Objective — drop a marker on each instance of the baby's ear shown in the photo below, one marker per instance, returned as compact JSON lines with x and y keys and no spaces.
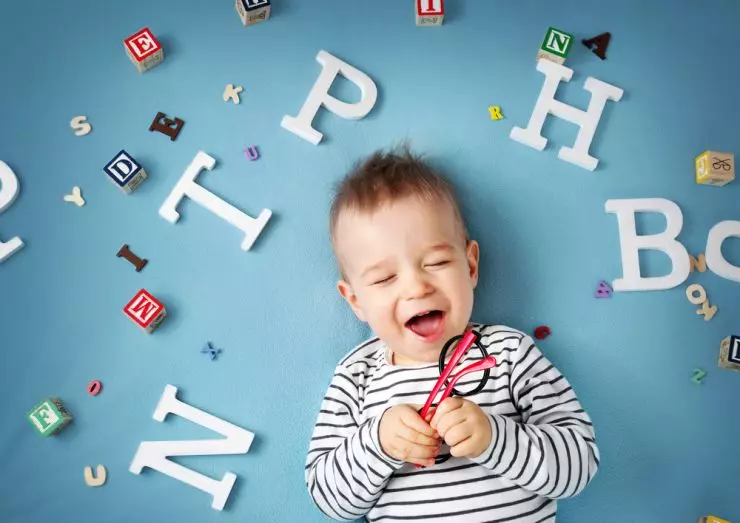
{"x":349,"y":295}
{"x":473,"y":255}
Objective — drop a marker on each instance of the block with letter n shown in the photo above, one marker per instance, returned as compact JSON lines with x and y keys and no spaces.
{"x":556,"y":46}
{"x":125,"y":172}
{"x":253,"y":11}
{"x":430,"y":12}
{"x":146,"y":311}
{"x":49,"y":417}
{"x":729,"y":353}
{"x":144,"y":50}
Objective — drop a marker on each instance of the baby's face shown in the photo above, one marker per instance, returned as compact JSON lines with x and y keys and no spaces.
{"x":409,"y":275}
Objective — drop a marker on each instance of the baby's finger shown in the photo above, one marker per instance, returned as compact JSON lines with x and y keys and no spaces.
{"x":464,"y":448}
{"x":414,"y":453}
{"x":458,"y":434}
{"x":412,"y":436}
{"x":413,"y":421}
{"x":450,"y":420}
{"x":443,"y":408}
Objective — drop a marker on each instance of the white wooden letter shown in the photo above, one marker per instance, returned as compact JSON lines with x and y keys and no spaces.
{"x":9,"y":189}
{"x":319,"y":95}
{"x":715,"y":261}
{"x":587,"y":120}
{"x":154,"y":454}
{"x":186,"y":186}
{"x":631,"y":243}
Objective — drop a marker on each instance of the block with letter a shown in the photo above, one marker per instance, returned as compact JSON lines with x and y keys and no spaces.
{"x":154,"y":454}
{"x":430,"y":12}
{"x":253,"y":11}
{"x":144,"y":50}
{"x":123,"y":171}
{"x":146,"y":311}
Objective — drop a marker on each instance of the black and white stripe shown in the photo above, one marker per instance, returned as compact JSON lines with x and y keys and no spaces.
{"x":543,"y":446}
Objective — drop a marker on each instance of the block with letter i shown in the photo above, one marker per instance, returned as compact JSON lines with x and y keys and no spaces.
{"x":49,"y":417}
{"x":144,"y":50}
{"x":146,"y":311}
{"x":713,"y":168}
{"x":729,"y":353}
{"x":125,"y":172}
{"x":712,"y":519}
{"x":556,"y":46}
{"x":253,"y":11}
{"x":430,"y":12}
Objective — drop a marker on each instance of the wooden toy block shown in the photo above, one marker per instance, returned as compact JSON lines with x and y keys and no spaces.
{"x":556,"y":46}
{"x":146,"y":311}
{"x":715,"y":168}
{"x":75,"y":197}
{"x":713,"y":519}
{"x":601,"y":42}
{"x":729,"y":353}
{"x":251,"y":153}
{"x":430,"y":12}
{"x":144,"y":50}
{"x":232,"y":93}
{"x":166,"y":126}
{"x":125,"y":172}
{"x":125,"y":252}
{"x":80,"y":126}
{"x":98,"y":479}
{"x":49,"y":417}
{"x":253,"y":11}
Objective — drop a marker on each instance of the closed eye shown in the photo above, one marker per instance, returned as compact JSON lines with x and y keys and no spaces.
{"x":384,"y":280}
{"x":438,"y":264}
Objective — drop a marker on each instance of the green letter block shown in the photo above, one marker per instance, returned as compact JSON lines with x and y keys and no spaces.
{"x":49,"y":417}
{"x":557,"y":42}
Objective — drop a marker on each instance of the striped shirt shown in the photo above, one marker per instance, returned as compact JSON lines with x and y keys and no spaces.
{"x":542,"y":447}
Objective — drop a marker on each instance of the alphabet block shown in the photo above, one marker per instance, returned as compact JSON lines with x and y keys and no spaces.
{"x":430,"y":12}
{"x":729,"y":353}
{"x":144,"y":50}
{"x":713,"y":168}
{"x":49,"y":417}
{"x":712,"y":519}
{"x":125,"y":172}
{"x":253,"y":11}
{"x":146,"y":311}
{"x":556,"y":46}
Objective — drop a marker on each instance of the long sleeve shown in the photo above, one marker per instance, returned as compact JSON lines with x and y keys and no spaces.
{"x":553,"y":451}
{"x":346,"y":470}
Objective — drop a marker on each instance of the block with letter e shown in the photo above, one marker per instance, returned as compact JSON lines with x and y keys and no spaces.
{"x":125,"y":172}
{"x":144,"y":50}
{"x":49,"y":417}
{"x":253,"y":11}
{"x":729,"y":353}
{"x":146,"y":311}
{"x":430,"y":12}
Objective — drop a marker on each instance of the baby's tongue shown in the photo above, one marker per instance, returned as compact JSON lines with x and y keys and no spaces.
{"x":426,"y":325}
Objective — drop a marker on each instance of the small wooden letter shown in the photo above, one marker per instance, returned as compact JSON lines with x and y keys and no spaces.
{"x":495,"y":111}
{"x":166,"y":126}
{"x":699,"y":263}
{"x":601,"y":41}
{"x":232,"y":93}
{"x":99,"y":478}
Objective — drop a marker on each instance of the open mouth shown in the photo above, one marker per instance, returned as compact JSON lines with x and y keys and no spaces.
{"x":428,"y":324}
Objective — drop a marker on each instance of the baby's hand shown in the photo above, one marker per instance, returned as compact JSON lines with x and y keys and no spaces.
{"x":463,"y":426}
{"x":406,"y":437}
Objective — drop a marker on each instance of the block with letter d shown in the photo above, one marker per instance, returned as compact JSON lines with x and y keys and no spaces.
{"x":49,"y":417}
{"x":146,"y":311}
{"x":144,"y":50}
{"x":125,"y":172}
{"x":253,"y":11}
{"x":430,"y":12}
{"x":729,"y":353}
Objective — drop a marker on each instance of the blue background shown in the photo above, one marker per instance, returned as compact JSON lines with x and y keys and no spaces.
{"x":669,"y":446}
